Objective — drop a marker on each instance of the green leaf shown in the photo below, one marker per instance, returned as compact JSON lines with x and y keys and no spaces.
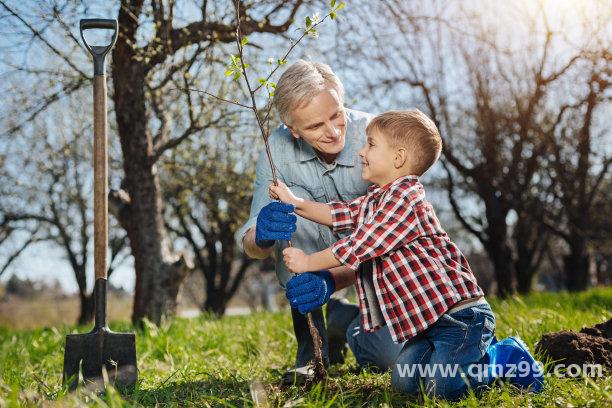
{"x":244,"y":41}
{"x":246,"y":66}
{"x":282,"y":61}
{"x":228,"y":72}
{"x":272,"y":85}
{"x":332,"y":3}
{"x":271,"y":93}
{"x":332,"y":15}
{"x":262,"y":81}
{"x":236,"y":76}
{"x":308,"y":21}
{"x":340,"y":6}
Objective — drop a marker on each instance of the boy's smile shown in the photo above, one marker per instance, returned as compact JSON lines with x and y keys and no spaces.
{"x":377,"y":159}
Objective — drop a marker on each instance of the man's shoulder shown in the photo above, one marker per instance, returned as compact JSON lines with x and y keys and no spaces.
{"x":281,"y":134}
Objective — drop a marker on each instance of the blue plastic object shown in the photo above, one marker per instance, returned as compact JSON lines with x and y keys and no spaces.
{"x":510,"y":359}
{"x":309,"y":291}
{"x":275,"y":221}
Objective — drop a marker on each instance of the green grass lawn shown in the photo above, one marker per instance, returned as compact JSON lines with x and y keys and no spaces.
{"x":212,"y":362}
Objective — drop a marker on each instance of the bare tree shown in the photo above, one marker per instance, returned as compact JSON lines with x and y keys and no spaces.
{"x":158,"y":42}
{"x":490,"y":91}
{"x":47,"y":198}
{"x":580,"y":170}
{"x":208,"y":188}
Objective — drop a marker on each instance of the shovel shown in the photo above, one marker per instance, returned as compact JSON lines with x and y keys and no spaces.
{"x":101,"y":355}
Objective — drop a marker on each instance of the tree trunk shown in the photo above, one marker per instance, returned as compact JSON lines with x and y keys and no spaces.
{"x":216,"y":302}
{"x":87,"y":308}
{"x":524,"y":277}
{"x":157,"y":277}
{"x":576,"y":266}
{"x":496,"y":243}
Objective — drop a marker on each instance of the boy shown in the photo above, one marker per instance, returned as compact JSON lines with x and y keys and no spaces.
{"x":410,"y":276}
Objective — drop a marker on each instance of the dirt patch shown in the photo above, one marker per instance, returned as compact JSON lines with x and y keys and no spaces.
{"x":592,"y":345}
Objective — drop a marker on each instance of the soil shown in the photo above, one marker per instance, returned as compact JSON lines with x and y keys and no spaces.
{"x":592,"y":345}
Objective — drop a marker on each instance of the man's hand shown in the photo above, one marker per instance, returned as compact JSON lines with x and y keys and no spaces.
{"x":310,"y":290}
{"x":282,"y":193}
{"x":296,"y":260}
{"x":274,"y":222}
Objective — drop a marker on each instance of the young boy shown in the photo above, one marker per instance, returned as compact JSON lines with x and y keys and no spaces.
{"x":410,"y":276}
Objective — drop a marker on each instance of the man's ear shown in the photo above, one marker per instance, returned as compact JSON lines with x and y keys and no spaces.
{"x":401,"y":155}
{"x":294,"y":133}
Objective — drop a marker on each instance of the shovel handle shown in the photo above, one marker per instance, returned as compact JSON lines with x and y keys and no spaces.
{"x":100,"y":143}
{"x":100,"y":178}
{"x":99,"y":52}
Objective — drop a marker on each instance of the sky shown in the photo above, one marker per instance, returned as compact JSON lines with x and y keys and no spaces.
{"x":44,"y":261}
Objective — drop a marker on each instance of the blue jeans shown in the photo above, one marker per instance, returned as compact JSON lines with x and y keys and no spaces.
{"x":437,"y":358}
{"x":373,"y":350}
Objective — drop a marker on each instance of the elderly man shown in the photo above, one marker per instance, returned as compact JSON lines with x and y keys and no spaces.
{"x":315,"y":153}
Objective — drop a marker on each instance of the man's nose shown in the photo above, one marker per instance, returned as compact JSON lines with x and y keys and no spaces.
{"x":332,"y":130}
{"x":361,"y":152}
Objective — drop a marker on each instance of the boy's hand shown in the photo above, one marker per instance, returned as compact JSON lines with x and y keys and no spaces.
{"x":282,"y":193}
{"x":296,"y":260}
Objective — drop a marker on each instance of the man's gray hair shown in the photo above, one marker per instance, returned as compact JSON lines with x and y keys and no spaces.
{"x":301,"y":82}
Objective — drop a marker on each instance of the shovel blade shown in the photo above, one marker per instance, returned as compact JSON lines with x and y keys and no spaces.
{"x":100,"y":351}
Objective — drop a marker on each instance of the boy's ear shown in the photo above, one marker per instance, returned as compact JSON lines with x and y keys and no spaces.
{"x":401,"y":155}
{"x":294,"y":133}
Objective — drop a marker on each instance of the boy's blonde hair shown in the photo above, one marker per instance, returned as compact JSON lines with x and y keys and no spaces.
{"x":413,"y":130}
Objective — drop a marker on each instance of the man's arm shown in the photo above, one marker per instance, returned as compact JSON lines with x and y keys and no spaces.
{"x":251,"y":248}
{"x":268,"y":221}
{"x":343,"y":277}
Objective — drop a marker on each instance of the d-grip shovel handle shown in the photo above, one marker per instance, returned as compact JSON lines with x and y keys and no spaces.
{"x":100,"y":158}
{"x":99,"y":52}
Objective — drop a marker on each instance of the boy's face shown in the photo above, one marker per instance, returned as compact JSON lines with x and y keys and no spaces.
{"x":377,"y":158}
{"x":322,"y":124}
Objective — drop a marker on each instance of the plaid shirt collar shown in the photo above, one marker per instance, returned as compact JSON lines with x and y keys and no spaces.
{"x":375,"y":191}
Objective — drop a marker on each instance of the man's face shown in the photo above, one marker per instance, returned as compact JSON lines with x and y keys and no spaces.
{"x":322,"y":124}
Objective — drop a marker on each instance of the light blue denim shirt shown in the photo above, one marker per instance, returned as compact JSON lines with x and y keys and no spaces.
{"x":308,"y":177}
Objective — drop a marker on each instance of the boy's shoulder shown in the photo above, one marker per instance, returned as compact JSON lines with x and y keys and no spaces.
{"x":407,"y":188}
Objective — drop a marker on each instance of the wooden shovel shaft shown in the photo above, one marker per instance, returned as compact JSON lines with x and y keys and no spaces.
{"x":100,"y":178}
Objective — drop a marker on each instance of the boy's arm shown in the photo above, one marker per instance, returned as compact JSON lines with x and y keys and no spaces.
{"x":311,"y":210}
{"x":394,"y":224}
{"x":297,"y":261}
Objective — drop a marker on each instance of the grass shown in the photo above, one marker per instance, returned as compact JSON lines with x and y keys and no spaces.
{"x":212,"y":362}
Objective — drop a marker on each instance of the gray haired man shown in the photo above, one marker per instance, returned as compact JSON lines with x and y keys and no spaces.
{"x":315,"y":153}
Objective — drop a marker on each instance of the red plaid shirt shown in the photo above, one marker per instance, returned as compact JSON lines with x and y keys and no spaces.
{"x":418,"y":272}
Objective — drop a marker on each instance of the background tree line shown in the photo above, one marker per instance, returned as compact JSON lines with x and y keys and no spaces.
{"x":521,"y":97}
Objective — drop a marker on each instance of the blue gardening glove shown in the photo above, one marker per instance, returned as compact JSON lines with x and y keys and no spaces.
{"x":274,"y":222}
{"x":309,"y":291}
